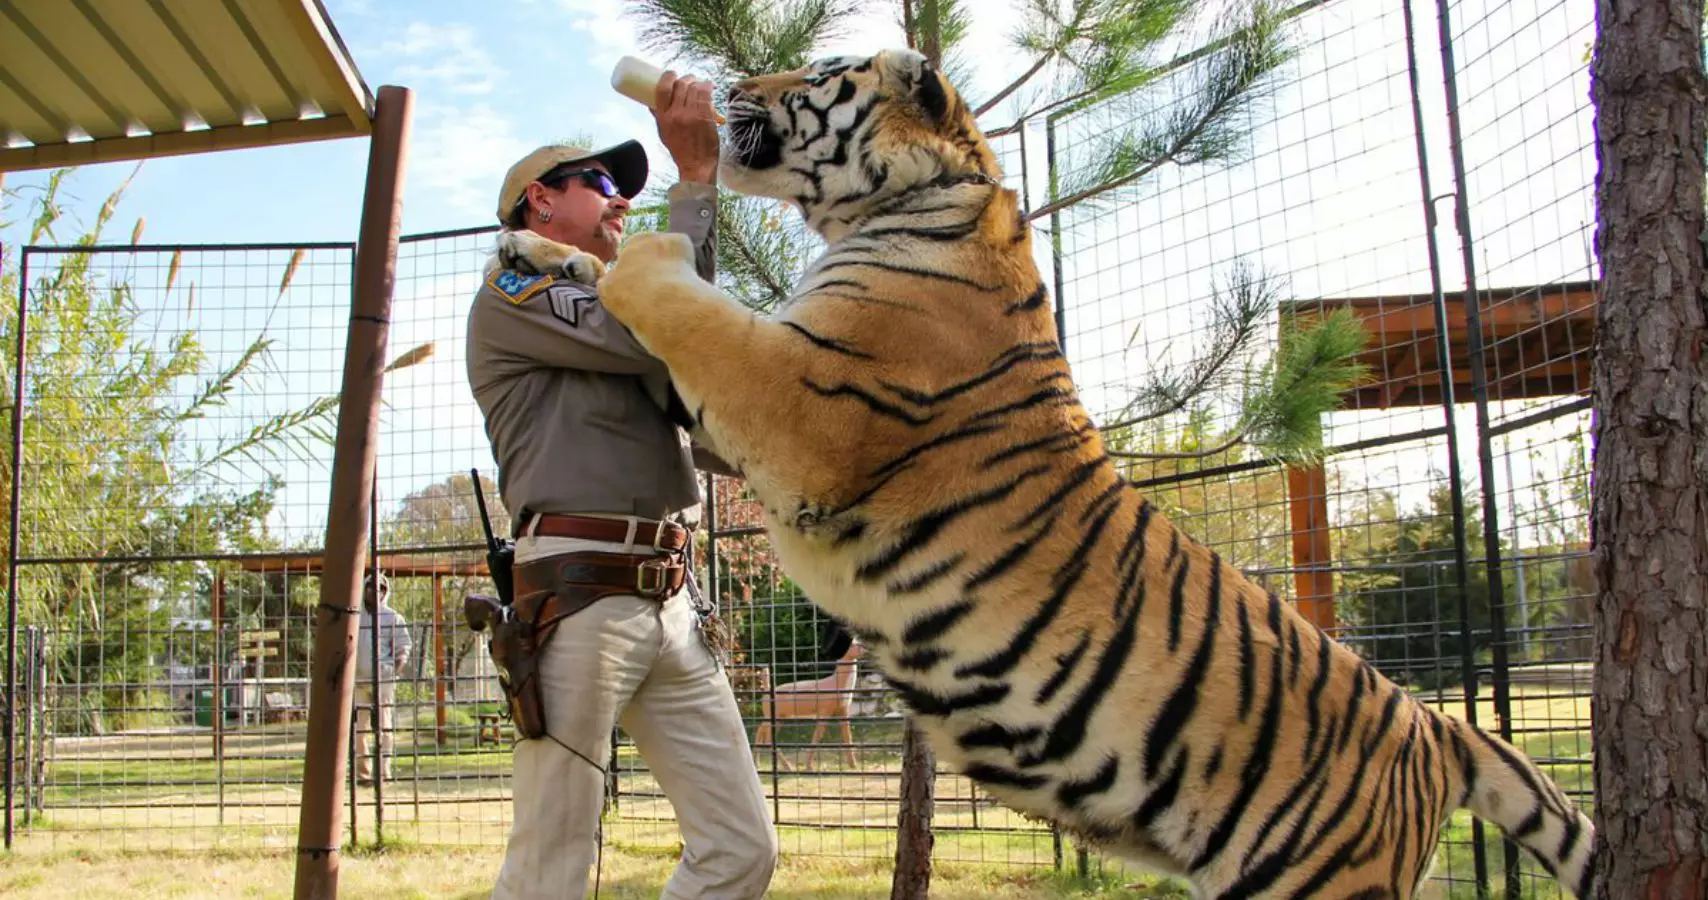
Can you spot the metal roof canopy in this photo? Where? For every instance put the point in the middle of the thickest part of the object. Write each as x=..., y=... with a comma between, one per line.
x=94, y=81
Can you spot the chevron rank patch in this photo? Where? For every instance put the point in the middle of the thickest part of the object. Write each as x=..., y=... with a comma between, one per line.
x=517, y=287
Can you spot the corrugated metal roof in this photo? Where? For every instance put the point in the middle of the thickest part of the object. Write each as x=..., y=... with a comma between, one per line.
x=85, y=81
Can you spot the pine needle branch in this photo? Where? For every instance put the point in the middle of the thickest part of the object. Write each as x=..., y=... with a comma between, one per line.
x=1236, y=316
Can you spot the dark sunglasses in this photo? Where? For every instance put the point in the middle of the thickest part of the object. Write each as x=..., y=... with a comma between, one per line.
x=593, y=178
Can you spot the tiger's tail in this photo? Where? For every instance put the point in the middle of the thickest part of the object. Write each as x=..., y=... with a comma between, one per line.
x=1503, y=786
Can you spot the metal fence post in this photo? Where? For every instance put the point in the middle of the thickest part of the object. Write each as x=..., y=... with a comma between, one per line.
x=1479, y=393
x=376, y=736
x=1444, y=352
x=12, y=540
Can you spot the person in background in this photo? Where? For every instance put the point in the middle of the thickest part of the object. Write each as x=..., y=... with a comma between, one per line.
x=394, y=647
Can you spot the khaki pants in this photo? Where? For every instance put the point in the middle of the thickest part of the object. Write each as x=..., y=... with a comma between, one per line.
x=365, y=726
x=642, y=664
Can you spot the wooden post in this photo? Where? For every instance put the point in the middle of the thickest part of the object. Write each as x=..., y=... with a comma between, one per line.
x=440, y=660
x=1313, y=583
x=349, y=507
x=914, y=840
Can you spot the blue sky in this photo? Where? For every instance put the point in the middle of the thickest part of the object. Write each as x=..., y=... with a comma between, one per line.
x=491, y=81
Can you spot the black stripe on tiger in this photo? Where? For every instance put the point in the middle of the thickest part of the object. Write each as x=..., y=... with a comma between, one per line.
x=1257, y=765
x=1036, y=299
x=1042, y=397
x=1132, y=555
x=1068, y=731
x=928, y=576
x=1065, y=664
x=1076, y=479
x=929, y=703
x=1012, y=556
x=1055, y=443
x=942, y=440
x=1352, y=707
x=830, y=344
x=953, y=231
x=1177, y=596
x=1294, y=656
x=871, y=402
x=1260, y=875
x=922, y=530
x=1003, y=364
x=998, y=737
x=936, y=623
x=1313, y=702
x=921, y=659
x=888, y=471
x=868, y=300
x=1072, y=793
x=1183, y=702
x=911, y=271
x=1163, y=793
x=999, y=664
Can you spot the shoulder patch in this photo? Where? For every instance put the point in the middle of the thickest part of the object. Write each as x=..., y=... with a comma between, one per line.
x=566, y=303
x=517, y=287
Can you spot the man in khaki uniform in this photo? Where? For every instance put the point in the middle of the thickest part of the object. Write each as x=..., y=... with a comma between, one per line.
x=593, y=465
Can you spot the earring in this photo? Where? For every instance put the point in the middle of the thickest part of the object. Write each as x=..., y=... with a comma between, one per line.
x=545, y=215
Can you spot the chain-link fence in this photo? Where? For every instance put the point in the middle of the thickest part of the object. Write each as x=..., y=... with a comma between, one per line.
x=1432, y=176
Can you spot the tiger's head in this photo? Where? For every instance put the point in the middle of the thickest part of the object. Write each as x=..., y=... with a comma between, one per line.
x=840, y=136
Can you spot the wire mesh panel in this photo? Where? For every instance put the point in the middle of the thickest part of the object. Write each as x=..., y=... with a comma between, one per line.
x=1522, y=82
x=1331, y=209
x=177, y=418
x=450, y=742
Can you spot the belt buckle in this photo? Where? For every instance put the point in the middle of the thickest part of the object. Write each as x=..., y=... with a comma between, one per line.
x=655, y=566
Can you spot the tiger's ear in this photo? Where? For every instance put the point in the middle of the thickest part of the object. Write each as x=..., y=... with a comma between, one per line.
x=909, y=73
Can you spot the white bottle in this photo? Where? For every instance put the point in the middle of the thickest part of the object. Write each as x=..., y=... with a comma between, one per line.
x=637, y=80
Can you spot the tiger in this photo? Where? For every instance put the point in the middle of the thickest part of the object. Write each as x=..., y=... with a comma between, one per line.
x=928, y=475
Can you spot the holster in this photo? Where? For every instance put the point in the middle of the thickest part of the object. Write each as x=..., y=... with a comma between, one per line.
x=547, y=591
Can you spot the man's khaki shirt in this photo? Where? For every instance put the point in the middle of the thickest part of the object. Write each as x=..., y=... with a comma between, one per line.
x=575, y=408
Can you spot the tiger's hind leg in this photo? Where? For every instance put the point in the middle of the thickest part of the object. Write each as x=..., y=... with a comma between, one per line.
x=742, y=377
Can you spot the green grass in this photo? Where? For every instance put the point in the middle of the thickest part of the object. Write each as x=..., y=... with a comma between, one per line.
x=402, y=872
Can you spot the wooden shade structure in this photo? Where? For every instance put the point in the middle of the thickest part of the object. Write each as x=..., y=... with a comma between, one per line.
x=1536, y=342
x=94, y=81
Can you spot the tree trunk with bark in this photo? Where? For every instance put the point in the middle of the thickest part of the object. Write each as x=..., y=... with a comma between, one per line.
x=1650, y=515
x=912, y=879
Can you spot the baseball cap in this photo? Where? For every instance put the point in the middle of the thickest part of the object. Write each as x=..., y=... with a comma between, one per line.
x=625, y=161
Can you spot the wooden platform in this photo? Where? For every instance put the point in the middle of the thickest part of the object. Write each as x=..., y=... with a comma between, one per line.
x=1537, y=341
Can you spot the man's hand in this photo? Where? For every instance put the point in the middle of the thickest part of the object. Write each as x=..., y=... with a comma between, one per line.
x=688, y=127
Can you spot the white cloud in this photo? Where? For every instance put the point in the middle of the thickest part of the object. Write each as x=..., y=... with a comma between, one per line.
x=461, y=155
x=448, y=57
x=610, y=35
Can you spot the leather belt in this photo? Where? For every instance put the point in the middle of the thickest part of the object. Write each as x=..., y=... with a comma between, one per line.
x=553, y=588
x=663, y=536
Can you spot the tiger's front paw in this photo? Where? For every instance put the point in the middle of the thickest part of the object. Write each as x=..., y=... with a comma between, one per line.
x=646, y=263
x=532, y=254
